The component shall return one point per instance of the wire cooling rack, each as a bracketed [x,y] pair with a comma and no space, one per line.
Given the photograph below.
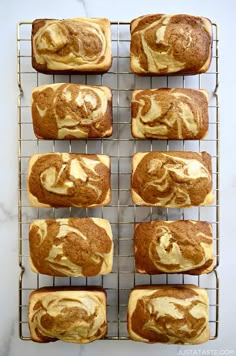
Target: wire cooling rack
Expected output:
[121,146]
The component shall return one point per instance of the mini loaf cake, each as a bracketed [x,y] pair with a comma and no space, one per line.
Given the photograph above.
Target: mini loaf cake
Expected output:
[71,247]
[170,44]
[173,247]
[70,314]
[64,180]
[169,113]
[172,179]
[172,314]
[71,45]
[70,111]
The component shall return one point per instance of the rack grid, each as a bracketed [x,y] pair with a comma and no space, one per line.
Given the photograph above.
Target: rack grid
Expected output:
[122,213]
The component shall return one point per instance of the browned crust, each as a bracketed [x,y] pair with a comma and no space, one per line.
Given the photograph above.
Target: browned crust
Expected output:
[36,25]
[73,288]
[152,17]
[99,244]
[42,290]
[33,183]
[40,129]
[201,95]
[149,19]
[145,265]
[149,336]
[162,286]
[205,156]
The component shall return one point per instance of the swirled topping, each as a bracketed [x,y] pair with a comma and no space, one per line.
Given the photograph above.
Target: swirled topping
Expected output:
[79,44]
[163,44]
[173,247]
[68,111]
[172,179]
[69,315]
[71,247]
[168,314]
[63,179]
[169,113]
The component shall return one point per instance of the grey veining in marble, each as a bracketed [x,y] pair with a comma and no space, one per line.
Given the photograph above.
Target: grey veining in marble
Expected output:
[84,5]
[6,344]
[6,214]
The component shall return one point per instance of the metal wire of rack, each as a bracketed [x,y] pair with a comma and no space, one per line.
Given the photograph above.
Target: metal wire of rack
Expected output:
[121,213]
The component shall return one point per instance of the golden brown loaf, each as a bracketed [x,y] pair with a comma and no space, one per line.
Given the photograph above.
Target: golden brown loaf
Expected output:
[63,180]
[173,247]
[71,45]
[69,111]
[172,314]
[170,44]
[70,314]
[169,113]
[172,179]
[71,247]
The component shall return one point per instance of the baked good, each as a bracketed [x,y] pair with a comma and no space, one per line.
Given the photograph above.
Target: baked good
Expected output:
[68,179]
[173,247]
[171,179]
[170,44]
[70,111]
[71,247]
[71,314]
[169,113]
[72,45]
[172,314]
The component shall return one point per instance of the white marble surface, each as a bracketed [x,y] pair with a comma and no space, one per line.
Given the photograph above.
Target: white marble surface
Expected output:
[12,11]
